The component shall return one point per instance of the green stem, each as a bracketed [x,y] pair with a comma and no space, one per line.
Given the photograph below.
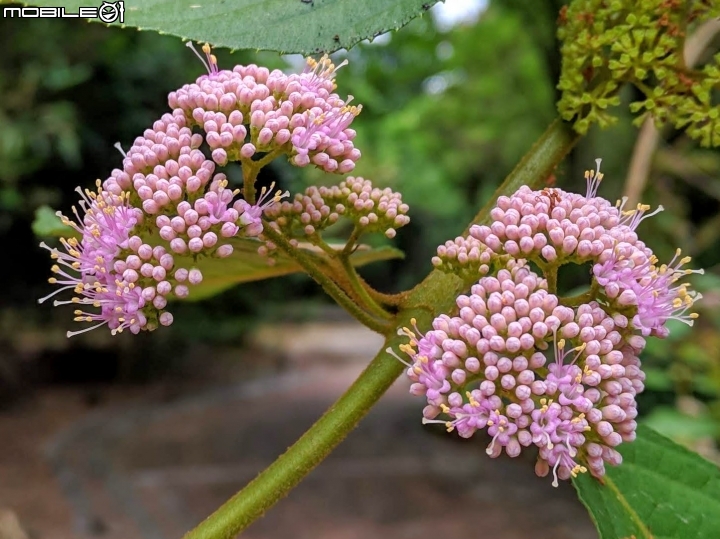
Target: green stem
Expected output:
[537,165]
[360,290]
[270,156]
[551,274]
[590,295]
[309,451]
[435,294]
[330,287]
[352,239]
[250,171]
[347,278]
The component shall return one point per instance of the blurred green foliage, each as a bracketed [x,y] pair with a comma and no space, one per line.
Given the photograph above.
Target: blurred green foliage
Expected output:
[446,115]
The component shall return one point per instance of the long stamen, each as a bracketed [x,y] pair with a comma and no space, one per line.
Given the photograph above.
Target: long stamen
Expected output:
[73,333]
[392,353]
[554,471]
[190,45]
[120,149]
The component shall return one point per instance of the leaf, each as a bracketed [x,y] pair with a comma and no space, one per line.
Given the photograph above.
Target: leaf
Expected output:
[288,26]
[660,491]
[245,265]
[46,223]
[683,427]
[658,379]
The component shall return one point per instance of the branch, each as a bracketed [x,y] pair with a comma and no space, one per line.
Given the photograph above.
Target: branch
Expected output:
[330,286]
[311,449]
[435,294]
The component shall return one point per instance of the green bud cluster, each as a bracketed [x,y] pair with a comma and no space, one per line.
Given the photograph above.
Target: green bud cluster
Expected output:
[608,43]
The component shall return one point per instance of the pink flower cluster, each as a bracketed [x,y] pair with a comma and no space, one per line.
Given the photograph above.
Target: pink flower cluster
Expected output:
[142,234]
[532,371]
[370,208]
[251,110]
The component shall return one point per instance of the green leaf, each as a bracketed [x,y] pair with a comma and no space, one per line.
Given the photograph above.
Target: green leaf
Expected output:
[47,223]
[288,26]
[660,491]
[670,421]
[658,379]
[246,265]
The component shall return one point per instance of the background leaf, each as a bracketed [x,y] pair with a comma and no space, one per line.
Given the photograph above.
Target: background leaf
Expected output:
[661,491]
[288,26]
[46,224]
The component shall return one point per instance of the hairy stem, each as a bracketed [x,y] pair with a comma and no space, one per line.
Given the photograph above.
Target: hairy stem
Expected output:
[435,294]
[250,171]
[309,451]
[359,288]
[351,241]
[551,274]
[330,287]
[590,295]
[343,273]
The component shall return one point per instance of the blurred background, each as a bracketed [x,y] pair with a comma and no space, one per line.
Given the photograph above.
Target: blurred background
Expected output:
[143,435]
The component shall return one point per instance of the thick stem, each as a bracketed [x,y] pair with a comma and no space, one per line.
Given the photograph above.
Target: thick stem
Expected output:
[435,294]
[551,274]
[352,240]
[587,297]
[290,468]
[346,277]
[360,289]
[250,171]
[330,287]
[537,165]
[309,451]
